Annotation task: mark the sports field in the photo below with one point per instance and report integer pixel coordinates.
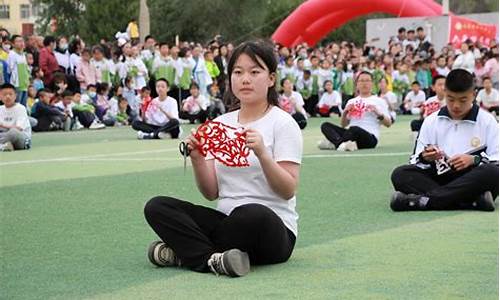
(72, 227)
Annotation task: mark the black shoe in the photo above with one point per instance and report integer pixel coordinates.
(403, 202)
(161, 255)
(485, 202)
(233, 263)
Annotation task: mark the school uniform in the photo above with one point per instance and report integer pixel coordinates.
(476, 134)
(156, 121)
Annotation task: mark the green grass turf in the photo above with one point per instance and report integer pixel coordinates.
(72, 227)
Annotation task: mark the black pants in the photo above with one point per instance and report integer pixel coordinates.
(415, 125)
(310, 105)
(337, 135)
(49, 123)
(195, 232)
(493, 109)
(171, 127)
(201, 116)
(84, 117)
(448, 191)
(300, 119)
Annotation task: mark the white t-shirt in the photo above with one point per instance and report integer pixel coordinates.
(332, 99)
(488, 99)
(416, 100)
(369, 121)
(238, 186)
(155, 116)
(390, 98)
(16, 115)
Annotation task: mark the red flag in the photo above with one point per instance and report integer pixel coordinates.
(462, 29)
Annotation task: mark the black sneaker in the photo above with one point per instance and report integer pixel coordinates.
(233, 263)
(485, 202)
(403, 202)
(161, 255)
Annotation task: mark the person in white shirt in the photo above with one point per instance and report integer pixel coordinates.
(363, 115)
(15, 128)
(487, 98)
(255, 221)
(390, 98)
(330, 102)
(293, 103)
(455, 161)
(413, 100)
(161, 117)
(441, 67)
(195, 106)
(430, 105)
(465, 60)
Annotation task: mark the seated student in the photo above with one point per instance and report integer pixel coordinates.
(390, 98)
(430, 105)
(195, 106)
(48, 116)
(364, 115)
(216, 106)
(144, 99)
(255, 222)
(487, 98)
(293, 103)
(15, 128)
(413, 100)
(118, 110)
(304, 86)
(66, 106)
(85, 114)
(330, 101)
(161, 118)
(117, 95)
(90, 95)
(455, 162)
(102, 104)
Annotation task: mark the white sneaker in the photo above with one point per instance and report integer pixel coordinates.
(144, 136)
(77, 126)
(7, 147)
(326, 145)
(342, 147)
(351, 146)
(164, 135)
(183, 121)
(97, 125)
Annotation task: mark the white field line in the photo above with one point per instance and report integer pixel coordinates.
(113, 157)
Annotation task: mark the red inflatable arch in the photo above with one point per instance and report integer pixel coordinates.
(314, 19)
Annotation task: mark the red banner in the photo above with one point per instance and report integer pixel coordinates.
(462, 29)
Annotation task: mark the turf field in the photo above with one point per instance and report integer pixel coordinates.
(72, 227)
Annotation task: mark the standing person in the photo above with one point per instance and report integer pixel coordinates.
(18, 66)
(221, 61)
(86, 72)
(48, 61)
(255, 221)
(15, 128)
(364, 129)
(455, 161)
(200, 71)
(133, 31)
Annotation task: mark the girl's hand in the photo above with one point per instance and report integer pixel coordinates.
(255, 141)
(193, 146)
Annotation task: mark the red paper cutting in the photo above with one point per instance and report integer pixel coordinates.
(359, 108)
(430, 107)
(214, 139)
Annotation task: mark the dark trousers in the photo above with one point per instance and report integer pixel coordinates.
(415, 125)
(448, 191)
(195, 232)
(49, 122)
(300, 119)
(201, 116)
(171, 127)
(84, 117)
(310, 105)
(337, 135)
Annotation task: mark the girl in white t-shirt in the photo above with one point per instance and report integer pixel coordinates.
(293, 103)
(255, 221)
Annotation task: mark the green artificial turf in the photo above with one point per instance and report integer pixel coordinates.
(72, 227)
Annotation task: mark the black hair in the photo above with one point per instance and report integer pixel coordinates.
(145, 88)
(401, 29)
(420, 28)
(97, 48)
(48, 40)
(7, 86)
(149, 36)
(486, 78)
(14, 37)
(67, 93)
(101, 87)
(415, 82)
(282, 82)
(328, 81)
(459, 81)
(91, 86)
(366, 73)
(259, 52)
(73, 45)
(307, 72)
(436, 78)
(411, 31)
(164, 80)
(194, 85)
(163, 44)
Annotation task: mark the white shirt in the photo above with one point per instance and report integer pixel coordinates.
(465, 61)
(16, 116)
(390, 98)
(488, 99)
(369, 121)
(415, 99)
(69, 108)
(443, 71)
(333, 99)
(155, 116)
(238, 186)
(479, 128)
